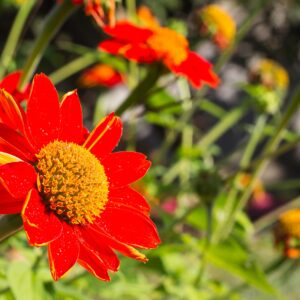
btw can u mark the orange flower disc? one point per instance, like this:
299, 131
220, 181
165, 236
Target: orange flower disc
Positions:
170, 46
72, 181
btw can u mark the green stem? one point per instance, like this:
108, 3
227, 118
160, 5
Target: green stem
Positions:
281, 150
187, 132
9, 224
244, 163
131, 9
139, 93
222, 126
269, 148
14, 35
207, 244
74, 66
254, 140
52, 24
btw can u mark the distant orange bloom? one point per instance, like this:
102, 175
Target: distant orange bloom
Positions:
100, 75
219, 24
287, 233
150, 42
95, 8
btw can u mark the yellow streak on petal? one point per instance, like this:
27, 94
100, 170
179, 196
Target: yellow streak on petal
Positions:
6, 158
108, 126
137, 255
9, 104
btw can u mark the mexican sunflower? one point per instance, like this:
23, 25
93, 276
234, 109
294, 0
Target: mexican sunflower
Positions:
100, 75
10, 84
73, 193
150, 42
287, 233
218, 23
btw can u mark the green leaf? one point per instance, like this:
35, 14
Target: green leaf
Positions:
19, 278
230, 256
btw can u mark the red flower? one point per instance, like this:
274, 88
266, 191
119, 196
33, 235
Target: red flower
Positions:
100, 74
10, 84
74, 195
155, 43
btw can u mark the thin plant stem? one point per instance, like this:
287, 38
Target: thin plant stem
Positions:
131, 9
222, 126
245, 160
269, 148
139, 93
53, 22
187, 132
254, 140
207, 243
14, 35
74, 66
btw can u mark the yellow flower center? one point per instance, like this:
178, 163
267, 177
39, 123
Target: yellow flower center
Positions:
72, 182
170, 45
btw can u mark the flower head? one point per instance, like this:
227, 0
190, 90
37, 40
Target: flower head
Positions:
73, 193
218, 23
103, 12
287, 233
10, 84
270, 74
150, 42
269, 83
100, 75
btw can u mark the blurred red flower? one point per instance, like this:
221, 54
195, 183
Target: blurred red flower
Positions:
152, 43
74, 195
100, 74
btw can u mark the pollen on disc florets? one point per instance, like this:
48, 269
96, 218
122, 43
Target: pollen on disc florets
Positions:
72, 182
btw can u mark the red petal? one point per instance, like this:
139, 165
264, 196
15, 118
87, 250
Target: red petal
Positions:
125, 31
197, 70
43, 111
93, 241
8, 204
123, 168
112, 46
121, 247
18, 178
71, 119
126, 196
106, 135
63, 252
10, 82
12, 139
10, 113
41, 226
129, 227
141, 53
90, 261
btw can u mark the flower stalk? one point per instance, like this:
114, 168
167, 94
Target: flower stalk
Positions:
14, 35
52, 24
